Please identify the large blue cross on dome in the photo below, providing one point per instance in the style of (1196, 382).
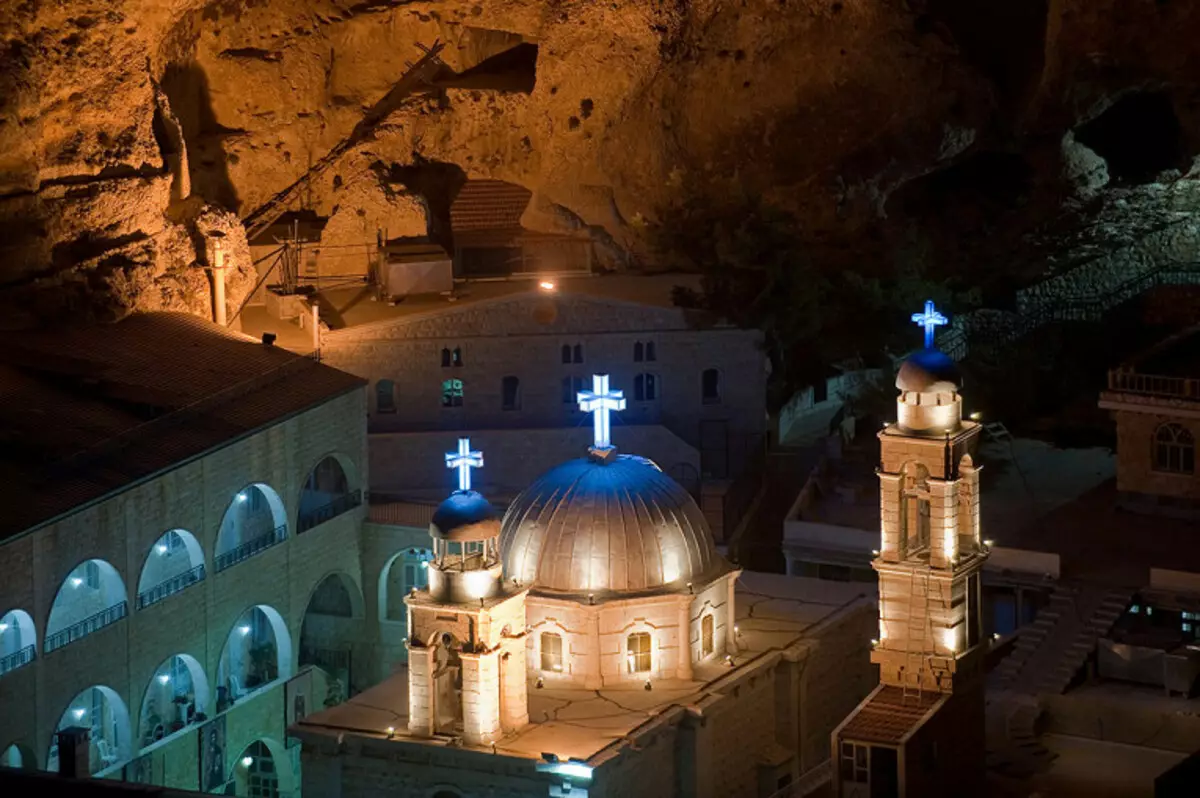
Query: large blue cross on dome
(464, 460)
(930, 320)
(600, 401)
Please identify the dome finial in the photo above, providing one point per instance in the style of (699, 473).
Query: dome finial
(931, 319)
(600, 401)
(464, 460)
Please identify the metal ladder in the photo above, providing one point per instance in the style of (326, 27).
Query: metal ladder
(919, 634)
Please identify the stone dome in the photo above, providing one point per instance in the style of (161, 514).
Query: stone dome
(464, 516)
(929, 371)
(603, 526)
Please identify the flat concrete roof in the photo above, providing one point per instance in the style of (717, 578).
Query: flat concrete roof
(773, 611)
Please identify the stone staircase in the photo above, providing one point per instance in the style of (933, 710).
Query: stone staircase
(1045, 659)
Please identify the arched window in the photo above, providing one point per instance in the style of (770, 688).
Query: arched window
(175, 562)
(650, 356)
(406, 571)
(706, 635)
(445, 358)
(328, 633)
(18, 640)
(326, 495)
(385, 396)
(452, 393)
(566, 353)
(710, 387)
(645, 388)
(254, 522)
(637, 652)
(552, 659)
(18, 757)
(177, 693)
(257, 652)
(91, 598)
(102, 710)
(510, 390)
(577, 353)
(1174, 450)
(458, 356)
(639, 352)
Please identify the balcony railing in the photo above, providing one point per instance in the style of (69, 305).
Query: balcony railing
(78, 631)
(251, 547)
(17, 659)
(1154, 385)
(342, 504)
(170, 587)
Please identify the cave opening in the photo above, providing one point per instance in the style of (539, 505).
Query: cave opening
(513, 70)
(1138, 136)
(437, 184)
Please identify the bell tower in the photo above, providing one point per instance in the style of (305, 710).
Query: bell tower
(466, 641)
(930, 554)
(921, 731)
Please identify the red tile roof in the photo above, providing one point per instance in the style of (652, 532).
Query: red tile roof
(86, 411)
(887, 717)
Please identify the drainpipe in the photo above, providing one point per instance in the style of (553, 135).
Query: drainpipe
(316, 326)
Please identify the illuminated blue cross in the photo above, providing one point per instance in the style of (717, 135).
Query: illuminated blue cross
(930, 320)
(599, 402)
(464, 460)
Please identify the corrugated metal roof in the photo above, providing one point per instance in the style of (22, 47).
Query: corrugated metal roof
(887, 717)
(86, 411)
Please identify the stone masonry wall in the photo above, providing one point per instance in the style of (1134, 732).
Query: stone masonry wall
(122, 529)
(1135, 471)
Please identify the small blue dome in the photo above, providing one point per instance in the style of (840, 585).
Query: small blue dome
(929, 371)
(465, 516)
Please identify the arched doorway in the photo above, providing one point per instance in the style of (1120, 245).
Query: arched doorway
(174, 562)
(257, 652)
(102, 710)
(331, 626)
(18, 640)
(404, 572)
(327, 493)
(262, 770)
(90, 598)
(254, 521)
(177, 697)
(447, 684)
(18, 756)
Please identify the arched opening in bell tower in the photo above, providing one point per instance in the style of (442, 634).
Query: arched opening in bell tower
(914, 508)
(447, 685)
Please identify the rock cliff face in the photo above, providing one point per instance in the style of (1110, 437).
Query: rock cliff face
(131, 128)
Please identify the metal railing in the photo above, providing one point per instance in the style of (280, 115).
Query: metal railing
(17, 659)
(1154, 385)
(250, 548)
(170, 587)
(342, 504)
(80, 630)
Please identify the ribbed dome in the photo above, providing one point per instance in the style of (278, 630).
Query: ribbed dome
(928, 371)
(619, 526)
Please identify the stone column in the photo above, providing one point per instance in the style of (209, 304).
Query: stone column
(514, 685)
(420, 690)
(943, 523)
(481, 697)
(592, 659)
(683, 667)
(731, 645)
(892, 547)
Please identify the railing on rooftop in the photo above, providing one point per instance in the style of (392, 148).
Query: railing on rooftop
(1154, 385)
(17, 659)
(318, 516)
(251, 547)
(170, 587)
(80, 630)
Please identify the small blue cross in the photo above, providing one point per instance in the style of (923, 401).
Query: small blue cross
(599, 402)
(930, 320)
(464, 460)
